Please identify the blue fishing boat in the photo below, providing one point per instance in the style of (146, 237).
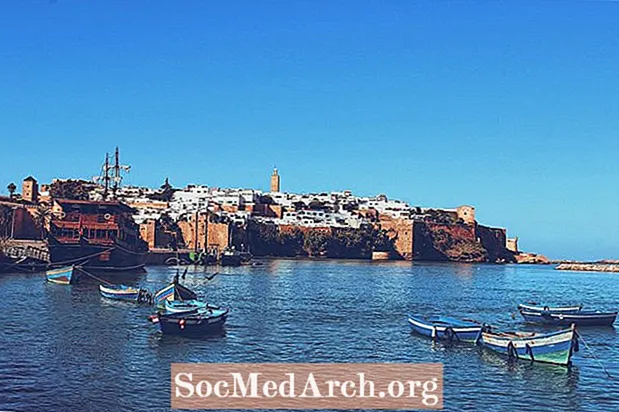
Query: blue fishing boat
(120, 292)
(551, 309)
(62, 276)
(446, 328)
(184, 306)
(201, 322)
(174, 291)
(580, 318)
(556, 347)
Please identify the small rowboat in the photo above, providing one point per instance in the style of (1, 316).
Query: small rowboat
(446, 328)
(558, 309)
(120, 292)
(202, 322)
(62, 276)
(580, 318)
(556, 347)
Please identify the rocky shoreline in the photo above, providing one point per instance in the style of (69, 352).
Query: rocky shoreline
(589, 267)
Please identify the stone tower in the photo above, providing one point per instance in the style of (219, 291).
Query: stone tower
(467, 214)
(30, 190)
(275, 181)
(512, 244)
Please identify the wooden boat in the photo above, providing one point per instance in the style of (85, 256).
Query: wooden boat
(580, 318)
(63, 276)
(184, 306)
(174, 291)
(556, 347)
(551, 309)
(201, 322)
(120, 292)
(446, 328)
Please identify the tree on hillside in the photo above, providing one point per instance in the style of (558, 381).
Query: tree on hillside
(298, 205)
(71, 189)
(11, 188)
(42, 218)
(6, 219)
(165, 192)
(316, 243)
(316, 204)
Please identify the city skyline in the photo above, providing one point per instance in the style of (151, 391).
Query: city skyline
(508, 108)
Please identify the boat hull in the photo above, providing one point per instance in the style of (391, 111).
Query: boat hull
(231, 260)
(62, 276)
(175, 306)
(566, 319)
(125, 294)
(101, 258)
(550, 309)
(555, 348)
(447, 332)
(202, 323)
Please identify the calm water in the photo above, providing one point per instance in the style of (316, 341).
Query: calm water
(65, 348)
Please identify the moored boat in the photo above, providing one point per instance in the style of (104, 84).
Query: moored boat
(120, 292)
(551, 309)
(174, 291)
(580, 318)
(556, 347)
(446, 328)
(230, 257)
(62, 276)
(202, 322)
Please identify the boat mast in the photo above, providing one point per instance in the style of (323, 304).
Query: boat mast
(106, 176)
(116, 173)
(196, 234)
(118, 168)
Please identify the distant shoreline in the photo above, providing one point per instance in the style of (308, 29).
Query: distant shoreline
(601, 266)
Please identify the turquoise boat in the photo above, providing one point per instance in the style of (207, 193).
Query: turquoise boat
(62, 276)
(556, 347)
(184, 306)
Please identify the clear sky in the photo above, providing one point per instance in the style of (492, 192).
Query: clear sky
(512, 107)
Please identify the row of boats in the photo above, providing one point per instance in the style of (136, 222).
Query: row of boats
(178, 310)
(556, 347)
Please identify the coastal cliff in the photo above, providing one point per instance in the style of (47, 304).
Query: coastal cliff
(459, 243)
(416, 241)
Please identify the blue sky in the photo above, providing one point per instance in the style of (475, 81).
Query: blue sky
(509, 106)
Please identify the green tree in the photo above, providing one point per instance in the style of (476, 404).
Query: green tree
(42, 219)
(11, 188)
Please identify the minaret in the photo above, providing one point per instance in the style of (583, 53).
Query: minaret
(275, 181)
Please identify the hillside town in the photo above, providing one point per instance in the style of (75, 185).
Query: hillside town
(206, 224)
